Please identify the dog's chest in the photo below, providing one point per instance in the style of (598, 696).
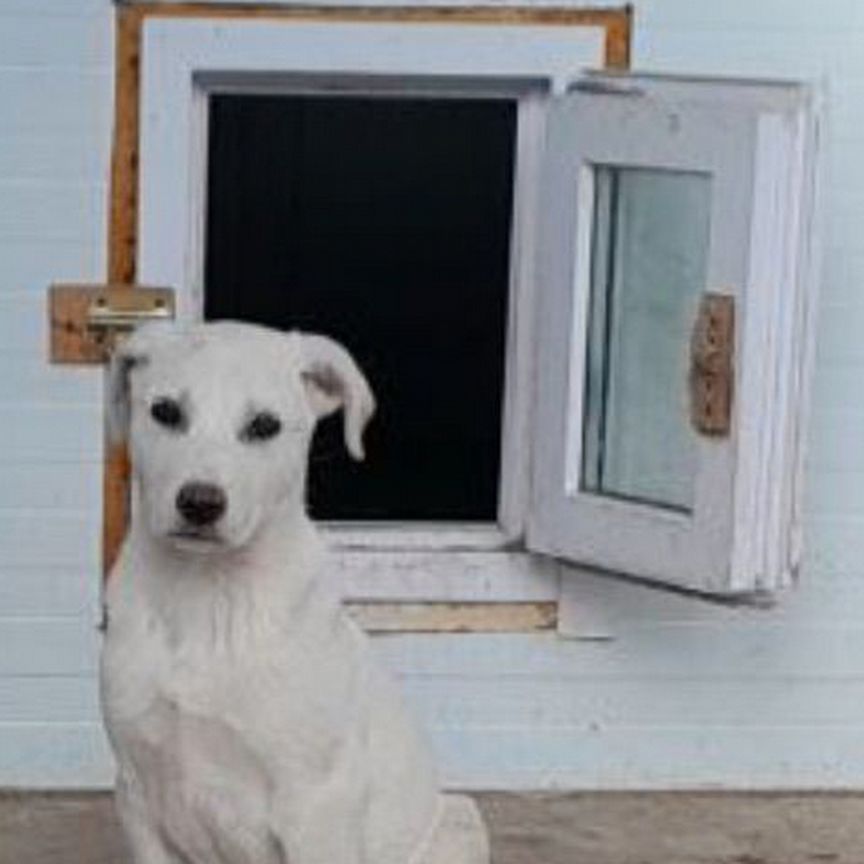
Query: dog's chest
(209, 720)
(219, 733)
(199, 762)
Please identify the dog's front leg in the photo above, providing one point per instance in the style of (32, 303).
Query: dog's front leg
(329, 825)
(142, 838)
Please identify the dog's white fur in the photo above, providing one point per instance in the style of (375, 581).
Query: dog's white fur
(249, 721)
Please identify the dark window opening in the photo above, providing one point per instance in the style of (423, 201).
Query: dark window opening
(384, 223)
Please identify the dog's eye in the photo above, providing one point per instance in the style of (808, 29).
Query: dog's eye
(262, 427)
(168, 413)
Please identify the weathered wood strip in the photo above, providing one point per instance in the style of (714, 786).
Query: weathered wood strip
(454, 617)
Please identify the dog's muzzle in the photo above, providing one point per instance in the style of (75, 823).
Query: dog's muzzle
(201, 504)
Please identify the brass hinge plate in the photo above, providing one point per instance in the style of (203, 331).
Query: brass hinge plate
(86, 320)
(712, 372)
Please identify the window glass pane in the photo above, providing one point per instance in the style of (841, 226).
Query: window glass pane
(649, 251)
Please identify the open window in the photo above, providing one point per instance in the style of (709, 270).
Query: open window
(584, 299)
(385, 223)
(672, 338)
(325, 175)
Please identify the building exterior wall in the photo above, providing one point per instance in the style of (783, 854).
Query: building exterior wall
(685, 694)
(56, 84)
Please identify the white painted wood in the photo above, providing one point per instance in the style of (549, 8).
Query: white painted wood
(63, 385)
(38, 40)
(686, 549)
(31, 538)
(834, 545)
(735, 539)
(46, 699)
(516, 432)
(40, 485)
(591, 757)
(810, 249)
(833, 433)
(832, 493)
(38, 646)
(775, 18)
(56, 107)
(47, 433)
(62, 590)
(707, 651)
(451, 50)
(29, 156)
(444, 575)
(50, 9)
(773, 331)
(824, 601)
(52, 210)
(55, 756)
(408, 536)
(437, 563)
(545, 705)
(53, 100)
(31, 263)
(23, 324)
(833, 348)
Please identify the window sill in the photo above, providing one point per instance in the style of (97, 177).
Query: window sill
(419, 536)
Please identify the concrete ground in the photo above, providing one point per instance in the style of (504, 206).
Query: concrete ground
(604, 828)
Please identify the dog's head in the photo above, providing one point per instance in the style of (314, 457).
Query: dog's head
(219, 418)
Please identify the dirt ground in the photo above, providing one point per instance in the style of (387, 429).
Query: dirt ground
(604, 828)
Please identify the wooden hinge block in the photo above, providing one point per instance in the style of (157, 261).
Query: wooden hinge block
(711, 365)
(376, 617)
(86, 320)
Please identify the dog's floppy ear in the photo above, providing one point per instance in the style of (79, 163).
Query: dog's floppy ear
(131, 352)
(333, 380)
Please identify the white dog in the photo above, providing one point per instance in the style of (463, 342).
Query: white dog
(249, 721)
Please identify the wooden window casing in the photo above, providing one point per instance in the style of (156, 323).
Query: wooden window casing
(122, 240)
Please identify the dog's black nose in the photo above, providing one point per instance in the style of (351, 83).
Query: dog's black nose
(201, 503)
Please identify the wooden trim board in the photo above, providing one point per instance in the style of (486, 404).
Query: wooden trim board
(122, 240)
(454, 617)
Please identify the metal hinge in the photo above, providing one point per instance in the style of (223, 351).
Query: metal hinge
(87, 320)
(712, 351)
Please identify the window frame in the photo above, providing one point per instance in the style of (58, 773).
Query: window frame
(518, 573)
(177, 71)
(758, 139)
(508, 527)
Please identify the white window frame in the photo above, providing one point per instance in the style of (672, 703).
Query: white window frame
(184, 61)
(758, 141)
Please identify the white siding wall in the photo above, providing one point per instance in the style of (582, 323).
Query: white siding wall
(684, 695)
(56, 77)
